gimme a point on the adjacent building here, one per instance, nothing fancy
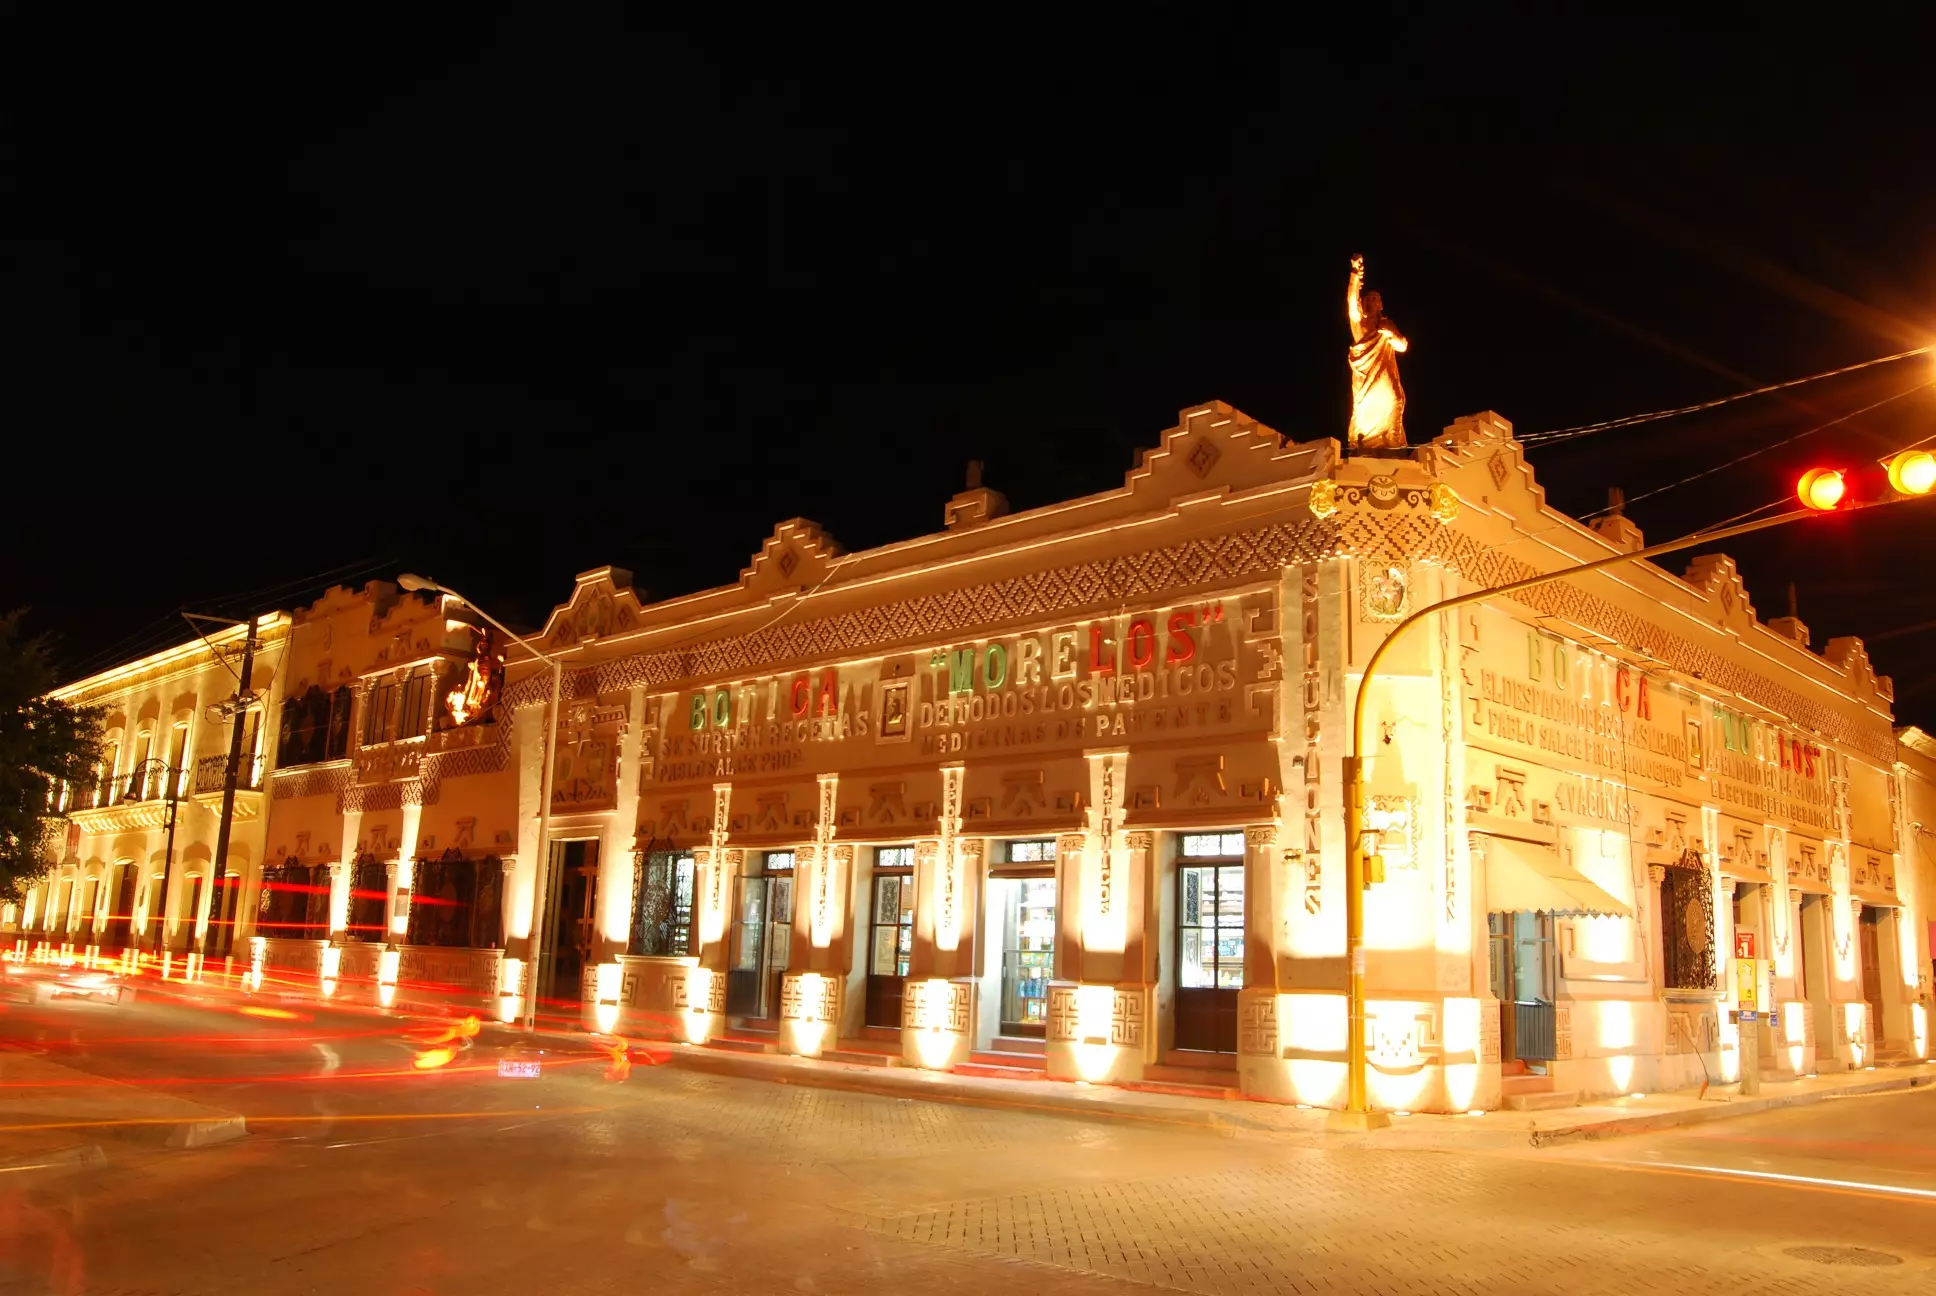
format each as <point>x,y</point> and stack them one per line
<point>1060,791</point>
<point>136,872</point>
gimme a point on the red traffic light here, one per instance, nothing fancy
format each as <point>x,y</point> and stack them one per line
<point>1822,488</point>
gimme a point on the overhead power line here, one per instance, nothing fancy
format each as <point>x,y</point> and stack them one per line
<point>1555,435</point>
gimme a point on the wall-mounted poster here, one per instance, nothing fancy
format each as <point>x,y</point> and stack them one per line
<point>894,710</point>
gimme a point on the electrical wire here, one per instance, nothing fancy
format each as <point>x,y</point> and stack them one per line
<point>1776,445</point>
<point>1553,436</point>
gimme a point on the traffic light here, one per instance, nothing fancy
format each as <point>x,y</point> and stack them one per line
<point>1913,472</point>
<point>1823,488</point>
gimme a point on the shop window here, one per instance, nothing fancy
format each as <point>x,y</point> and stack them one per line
<point>454,902</point>
<point>1038,851</point>
<point>1217,845</point>
<point>178,761</point>
<point>369,900</point>
<point>282,910</point>
<point>379,713</point>
<point>413,710</point>
<point>315,727</point>
<point>662,904</point>
<point>1687,925</point>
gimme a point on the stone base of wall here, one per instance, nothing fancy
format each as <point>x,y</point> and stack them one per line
<point>938,1022</point>
<point>812,1006</point>
<point>1428,1054</point>
<point>1100,1033</point>
<point>669,999</point>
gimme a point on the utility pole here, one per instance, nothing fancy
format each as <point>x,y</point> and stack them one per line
<point>239,723</point>
<point>158,901</point>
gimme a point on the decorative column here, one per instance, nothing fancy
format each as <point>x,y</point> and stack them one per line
<point>330,964</point>
<point>1097,1018</point>
<point>701,1000</point>
<point>939,1008</point>
<point>813,989</point>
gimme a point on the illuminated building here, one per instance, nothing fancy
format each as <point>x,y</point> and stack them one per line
<point>1065,784</point>
<point>166,749</point>
<point>392,805</point>
<point>1060,790</point>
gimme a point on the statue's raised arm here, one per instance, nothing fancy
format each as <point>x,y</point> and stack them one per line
<point>1377,397</point>
<point>1354,309</point>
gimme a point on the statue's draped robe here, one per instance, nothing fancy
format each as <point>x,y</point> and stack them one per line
<point>1377,397</point>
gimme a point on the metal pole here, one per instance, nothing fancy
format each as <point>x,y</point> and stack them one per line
<point>158,921</point>
<point>542,875</point>
<point>534,948</point>
<point>1357,1113</point>
<point>221,860</point>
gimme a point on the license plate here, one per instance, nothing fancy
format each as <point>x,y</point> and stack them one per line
<point>517,1069</point>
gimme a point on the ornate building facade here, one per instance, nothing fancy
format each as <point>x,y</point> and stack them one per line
<point>392,819</point>
<point>1060,792</point>
<point>115,892</point>
<point>1061,789</point>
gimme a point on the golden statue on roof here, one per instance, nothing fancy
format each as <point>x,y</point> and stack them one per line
<point>1377,397</point>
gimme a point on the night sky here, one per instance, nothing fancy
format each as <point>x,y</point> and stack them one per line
<point>504,299</point>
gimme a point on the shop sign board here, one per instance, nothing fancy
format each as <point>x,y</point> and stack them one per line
<point>1196,671</point>
<point>1542,700</point>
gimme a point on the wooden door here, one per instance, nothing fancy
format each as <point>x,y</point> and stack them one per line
<point>1871,937</point>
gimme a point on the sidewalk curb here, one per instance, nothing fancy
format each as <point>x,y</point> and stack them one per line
<point>1651,1122</point>
<point>80,1156</point>
<point>945,1088</point>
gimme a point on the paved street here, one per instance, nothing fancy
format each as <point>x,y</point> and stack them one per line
<point>362,1173</point>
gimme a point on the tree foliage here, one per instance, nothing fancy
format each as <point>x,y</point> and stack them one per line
<point>42,741</point>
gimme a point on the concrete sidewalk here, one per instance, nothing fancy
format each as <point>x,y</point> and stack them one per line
<point>52,1116</point>
<point>1606,1119</point>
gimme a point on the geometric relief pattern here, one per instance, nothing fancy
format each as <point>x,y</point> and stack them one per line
<point>1489,1038</point>
<point>941,615</point>
<point>475,971</point>
<point>1563,1033</point>
<point>796,1006</point>
<point>1257,1025</point>
<point>1126,1017</point>
<point>957,1014</point>
<point>312,782</point>
<point>1153,572</point>
<point>1063,1018</point>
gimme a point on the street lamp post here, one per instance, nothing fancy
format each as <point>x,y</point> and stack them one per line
<point>1357,1113</point>
<point>535,950</point>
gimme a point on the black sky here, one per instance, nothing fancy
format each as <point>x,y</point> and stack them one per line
<point>503,298</point>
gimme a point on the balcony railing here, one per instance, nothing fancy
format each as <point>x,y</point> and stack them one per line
<point>211,771</point>
<point>148,781</point>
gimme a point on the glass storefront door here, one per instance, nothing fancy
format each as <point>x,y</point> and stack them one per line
<point>1028,952</point>
<point>890,945</point>
<point>762,940</point>
<point>1210,953</point>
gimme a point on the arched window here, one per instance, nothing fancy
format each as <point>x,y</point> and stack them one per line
<point>369,899</point>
